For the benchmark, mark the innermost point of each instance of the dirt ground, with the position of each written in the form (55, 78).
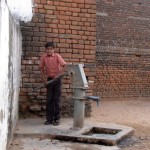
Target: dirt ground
(131, 112)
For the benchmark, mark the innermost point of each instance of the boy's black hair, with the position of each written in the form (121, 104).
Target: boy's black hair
(49, 44)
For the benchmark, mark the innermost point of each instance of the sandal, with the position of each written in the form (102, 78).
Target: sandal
(48, 122)
(56, 122)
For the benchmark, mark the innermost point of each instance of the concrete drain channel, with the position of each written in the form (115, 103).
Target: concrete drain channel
(97, 135)
(93, 135)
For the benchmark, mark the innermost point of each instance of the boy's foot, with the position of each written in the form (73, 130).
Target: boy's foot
(48, 122)
(56, 122)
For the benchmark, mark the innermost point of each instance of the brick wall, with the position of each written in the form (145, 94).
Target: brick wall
(71, 24)
(123, 48)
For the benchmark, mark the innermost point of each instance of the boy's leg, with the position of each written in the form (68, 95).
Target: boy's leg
(49, 103)
(57, 99)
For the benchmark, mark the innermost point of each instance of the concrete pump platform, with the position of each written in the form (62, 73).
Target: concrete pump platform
(97, 134)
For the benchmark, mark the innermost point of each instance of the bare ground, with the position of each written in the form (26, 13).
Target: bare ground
(131, 112)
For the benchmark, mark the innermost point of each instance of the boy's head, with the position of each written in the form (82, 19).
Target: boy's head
(49, 46)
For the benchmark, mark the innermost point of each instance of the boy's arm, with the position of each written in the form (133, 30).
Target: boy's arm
(41, 66)
(42, 75)
(62, 70)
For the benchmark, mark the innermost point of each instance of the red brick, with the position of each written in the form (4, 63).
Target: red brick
(81, 6)
(49, 2)
(87, 24)
(50, 7)
(77, 56)
(35, 10)
(78, 46)
(75, 14)
(92, 38)
(69, 13)
(43, 1)
(37, 1)
(42, 29)
(48, 30)
(80, 32)
(86, 52)
(42, 11)
(56, 40)
(35, 19)
(50, 12)
(75, 23)
(90, 2)
(79, 1)
(62, 8)
(63, 41)
(68, 4)
(74, 9)
(84, 37)
(63, 45)
(88, 6)
(87, 15)
(68, 22)
(84, 10)
(90, 47)
(75, 18)
(74, 32)
(68, 1)
(68, 40)
(64, 17)
(75, 27)
(68, 31)
(88, 57)
(74, 41)
(66, 55)
(91, 19)
(50, 16)
(62, 13)
(39, 6)
(62, 22)
(53, 26)
(63, 26)
(55, 30)
(74, 5)
(54, 21)
(92, 11)
(87, 42)
(62, 31)
(91, 28)
(56, 3)
(84, 19)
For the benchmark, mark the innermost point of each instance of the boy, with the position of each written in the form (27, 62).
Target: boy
(54, 65)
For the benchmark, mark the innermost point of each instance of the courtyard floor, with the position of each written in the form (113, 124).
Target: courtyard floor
(134, 113)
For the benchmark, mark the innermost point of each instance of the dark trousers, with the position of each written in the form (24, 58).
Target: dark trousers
(53, 103)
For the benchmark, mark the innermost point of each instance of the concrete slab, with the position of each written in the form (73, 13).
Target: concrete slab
(49, 144)
(34, 131)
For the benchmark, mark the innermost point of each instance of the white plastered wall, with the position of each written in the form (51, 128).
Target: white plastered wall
(10, 64)
(4, 53)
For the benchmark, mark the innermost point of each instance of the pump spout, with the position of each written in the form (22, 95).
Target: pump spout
(94, 98)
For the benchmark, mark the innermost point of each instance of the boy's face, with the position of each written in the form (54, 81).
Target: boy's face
(49, 50)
